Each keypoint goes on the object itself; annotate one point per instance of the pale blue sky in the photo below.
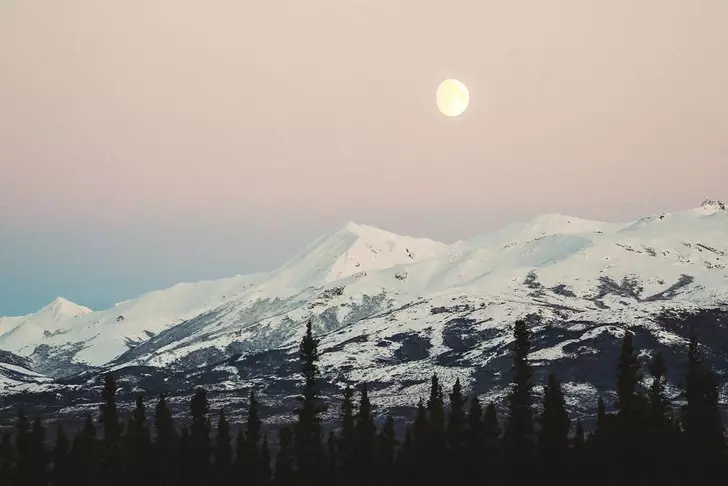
(150, 141)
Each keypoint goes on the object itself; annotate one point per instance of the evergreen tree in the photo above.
(628, 379)
(455, 432)
(165, 448)
(61, 473)
(553, 439)
(7, 460)
(332, 460)
(365, 436)
(491, 442)
(662, 437)
(417, 466)
(223, 449)
(199, 435)
(266, 474)
(163, 421)
(701, 417)
(307, 437)
(436, 446)
(347, 441)
(519, 433)
(250, 460)
(24, 447)
(139, 443)
(475, 439)
(111, 472)
(39, 456)
(188, 473)
(456, 419)
(386, 453)
(284, 474)
(85, 455)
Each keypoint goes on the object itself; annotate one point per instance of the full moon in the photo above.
(452, 97)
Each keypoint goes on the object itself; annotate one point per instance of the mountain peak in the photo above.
(353, 249)
(712, 204)
(64, 308)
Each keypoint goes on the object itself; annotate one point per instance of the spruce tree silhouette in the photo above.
(199, 436)
(365, 437)
(111, 468)
(307, 429)
(7, 460)
(456, 457)
(386, 451)
(285, 470)
(701, 418)
(223, 450)
(553, 438)
(519, 433)
(61, 473)
(166, 445)
(347, 441)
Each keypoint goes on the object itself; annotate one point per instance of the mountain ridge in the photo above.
(413, 306)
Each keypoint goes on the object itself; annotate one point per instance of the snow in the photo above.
(360, 280)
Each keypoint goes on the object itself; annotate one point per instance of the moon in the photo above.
(452, 97)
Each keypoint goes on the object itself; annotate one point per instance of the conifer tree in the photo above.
(223, 449)
(417, 470)
(455, 433)
(347, 441)
(661, 450)
(240, 453)
(386, 452)
(187, 473)
(139, 443)
(166, 442)
(365, 436)
(85, 455)
(492, 442)
(332, 460)
(475, 439)
(701, 417)
(253, 425)
(112, 426)
(436, 446)
(553, 439)
(7, 460)
(628, 378)
(39, 457)
(163, 421)
(456, 419)
(61, 473)
(199, 434)
(23, 473)
(519, 433)
(307, 432)
(266, 474)
(284, 474)
(658, 402)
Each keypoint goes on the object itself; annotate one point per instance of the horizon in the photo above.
(142, 144)
(339, 227)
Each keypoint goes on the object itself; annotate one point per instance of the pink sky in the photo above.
(281, 119)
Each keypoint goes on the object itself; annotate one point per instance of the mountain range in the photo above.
(391, 310)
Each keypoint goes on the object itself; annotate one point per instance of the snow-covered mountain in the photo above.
(391, 310)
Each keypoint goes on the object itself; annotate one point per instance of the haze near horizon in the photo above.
(147, 143)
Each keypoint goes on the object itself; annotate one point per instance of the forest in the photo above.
(647, 438)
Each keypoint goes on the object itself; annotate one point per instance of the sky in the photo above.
(147, 142)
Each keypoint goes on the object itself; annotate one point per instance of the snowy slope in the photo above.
(556, 266)
(94, 338)
(391, 310)
(24, 333)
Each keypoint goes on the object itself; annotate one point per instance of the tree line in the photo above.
(646, 440)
